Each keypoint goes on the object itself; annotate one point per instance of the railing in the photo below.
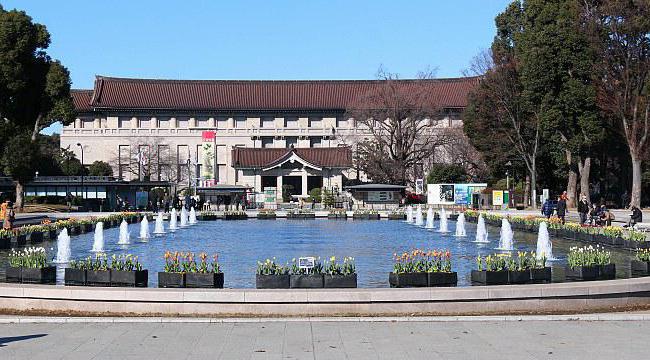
(65, 179)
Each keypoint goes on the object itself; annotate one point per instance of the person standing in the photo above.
(10, 217)
(561, 208)
(547, 209)
(583, 209)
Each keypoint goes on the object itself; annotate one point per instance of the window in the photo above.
(164, 123)
(183, 122)
(240, 122)
(267, 141)
(291, 122)
(315, 141)
(124, 156)
(124, 123)
(316, 122)
(292, 141)
(222, 122)
(342, 122)
(267, 122)
(144, 123)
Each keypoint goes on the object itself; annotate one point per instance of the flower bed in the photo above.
(300, 214)
(397, 215)
(207, 216)
(502, 269)
(29, 266)
(363, 214)
(121, 271)
(419, 268)
(271, 275)
(181, 270)
(266, 214)
(337, 214)
(235, 215)
(589, 263)
(640, 266)
(340, 275)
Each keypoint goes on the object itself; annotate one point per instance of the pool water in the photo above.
(241, 244)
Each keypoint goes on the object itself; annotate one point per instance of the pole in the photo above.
(83, 189)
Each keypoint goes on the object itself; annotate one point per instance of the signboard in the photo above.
(462, 195)
(380, 196)
(306, 262)
(141, 199)
(208, 150)
(440, 194)
(497, 197)
(419, 186)
(269, 195)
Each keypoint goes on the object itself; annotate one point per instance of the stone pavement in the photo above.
(299, 339)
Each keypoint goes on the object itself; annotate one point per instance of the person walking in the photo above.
(583, 209)
(636, 216)
(547, 209)
(10, 217)
(561, 208)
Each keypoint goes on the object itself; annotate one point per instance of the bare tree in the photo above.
(622, 34)
(148, 158)
(401, 118)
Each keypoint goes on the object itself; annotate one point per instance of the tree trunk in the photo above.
(527, 191)
(585, 173)
(37, 127)
(572, 183)
(19, 197)
(636, 181)
(533, 186)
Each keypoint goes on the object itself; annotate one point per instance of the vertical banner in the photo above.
(497, 197)
(208, 147)
(462, 194)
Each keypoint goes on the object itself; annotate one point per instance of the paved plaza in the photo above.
(287, 339)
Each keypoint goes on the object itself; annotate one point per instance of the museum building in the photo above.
(219, 133)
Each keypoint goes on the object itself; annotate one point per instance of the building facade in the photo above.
(256, 134)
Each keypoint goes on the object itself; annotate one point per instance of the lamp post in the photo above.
(83, 189)
(509, 165)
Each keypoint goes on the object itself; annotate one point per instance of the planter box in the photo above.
(36, 237)
(86, 228)
(365, 216)
(639, 268)
(52, 234)
(19, 240)
(301, 216)
(98, 278)
(74, 230)
(337, 216)
(585, 237)
(541, 276)
(208, 280)
(130, 278)
(75, 277)
(489, 277)
(266, 216)
(272, 281)
(396, 217)
(340, 281)
(235, 217)
(171, 280)
(442, 279)
(46, 275)
(306, 281)
(5, 243)
(13, 274)
(589, 273)
(408, 280)
(519, 277)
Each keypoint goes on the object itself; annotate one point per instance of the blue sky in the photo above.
(335, 39)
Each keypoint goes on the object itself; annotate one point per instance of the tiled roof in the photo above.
(81, 99)
(122, 93)
(322, 157)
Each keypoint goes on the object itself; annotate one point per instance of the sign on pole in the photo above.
(208, 147)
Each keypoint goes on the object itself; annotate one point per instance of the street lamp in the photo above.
(83, 189)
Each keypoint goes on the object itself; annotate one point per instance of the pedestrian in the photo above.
(547, 209)
(636, 217)
(3, 209)
(561, 208)
(583, 209)
(594, 214)
(606, 216)
(10, 217)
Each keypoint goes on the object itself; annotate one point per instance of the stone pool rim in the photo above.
(577, 297)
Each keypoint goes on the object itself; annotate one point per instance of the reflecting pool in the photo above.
(240, 244)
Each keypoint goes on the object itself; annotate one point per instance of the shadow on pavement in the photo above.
(6, 340)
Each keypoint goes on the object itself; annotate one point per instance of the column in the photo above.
(278, 190)
(304, 182)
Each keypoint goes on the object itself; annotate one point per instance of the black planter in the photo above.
(489, 277)
(98, 278)
(408, 280)
(340, 281)
(540, 276)
(306, 281)
(36, 237)
(301, 216)
(640, 268)
(337, 216)
(5, 243)
(52, 234)
(519, 277)
(396, 217)
(19, 240)
(74, 230)
(442, 279)
(583, 273)
(235, 217)
(569, 234)
(585, 237)
(266, 216)
(75, 277)
(365, 216)
(46, 275)
(85, 228)
(171, 280)
(13, 274)
(272, 281)
(130, 278)
(207, 280)
(607, 272)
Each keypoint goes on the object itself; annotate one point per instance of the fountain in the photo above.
(430, 218)
(98, 244)
(409, 214)
(124, 233)
(419, 221)
(443, 221)
(481, 231)
(544, 245)
(183, 217)
(193, 216)
(63, 247)
(159, 229)
(505, 240)
(144, 228)
(173, 220)
(460, 225)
